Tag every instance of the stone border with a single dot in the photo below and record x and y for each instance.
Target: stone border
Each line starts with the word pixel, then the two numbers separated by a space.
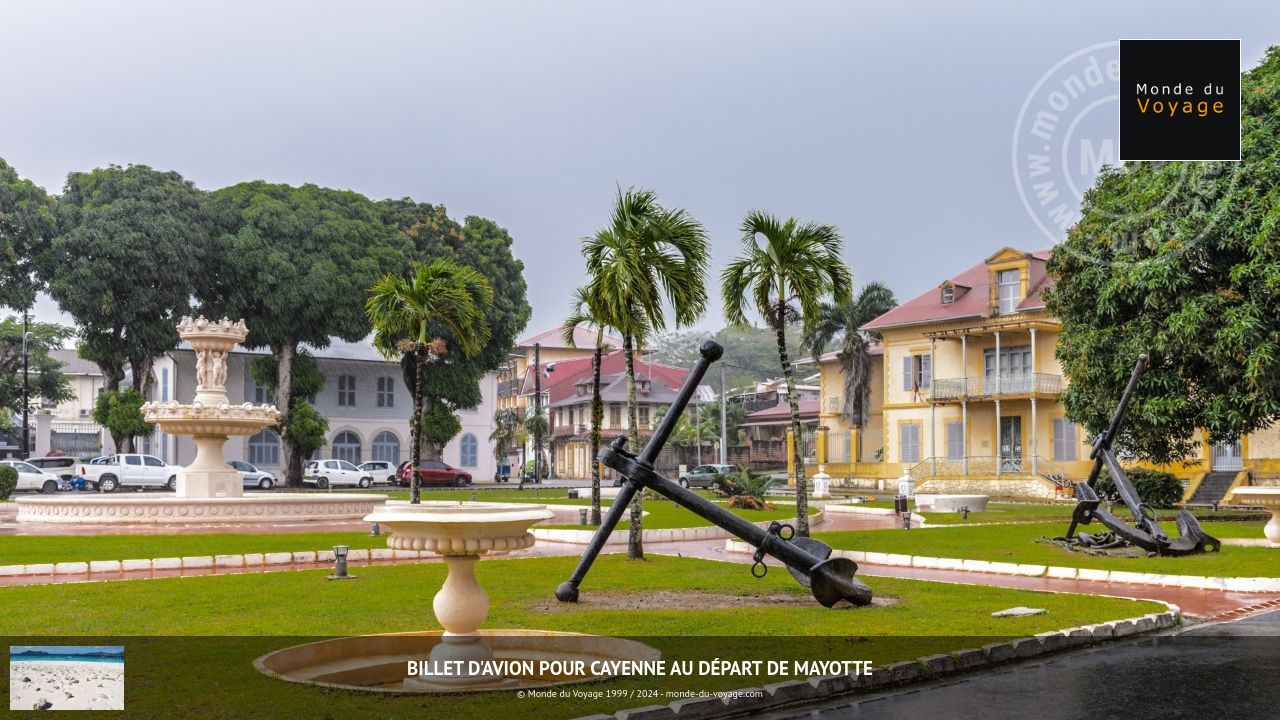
pixel 917 519
pixel 690 534
pixel 1233 584
pixel 780 695
pixel 116 567
pixel 163 509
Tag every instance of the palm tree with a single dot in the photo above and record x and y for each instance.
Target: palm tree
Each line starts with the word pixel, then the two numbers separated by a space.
pixel 504 433
pixel 786 277
pixel 645 258
pixel 586 311
pixel 844 320
pixel 407 313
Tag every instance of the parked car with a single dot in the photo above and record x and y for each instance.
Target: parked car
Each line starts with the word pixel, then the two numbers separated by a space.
pixel 31 477
pixel 131 470
pixel 381 470
pixel 63 466
pixel 703 476
pixel 435 472
pixel 252 476
pixel 326 473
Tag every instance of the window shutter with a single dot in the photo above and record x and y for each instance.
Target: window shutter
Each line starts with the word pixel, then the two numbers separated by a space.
pixel 906 372
pixel 926 371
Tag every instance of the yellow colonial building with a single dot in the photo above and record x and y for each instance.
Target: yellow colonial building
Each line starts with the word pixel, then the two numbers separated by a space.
pixel 965 398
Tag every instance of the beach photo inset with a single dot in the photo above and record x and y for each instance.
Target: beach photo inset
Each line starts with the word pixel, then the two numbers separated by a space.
pixel 66 677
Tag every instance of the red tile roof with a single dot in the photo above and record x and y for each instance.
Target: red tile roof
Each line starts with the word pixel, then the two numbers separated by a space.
pixel 559 383
pixel 584 338
pixel 971 303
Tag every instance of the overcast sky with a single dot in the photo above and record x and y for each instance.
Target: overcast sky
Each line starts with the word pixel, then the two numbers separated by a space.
pixel 892 120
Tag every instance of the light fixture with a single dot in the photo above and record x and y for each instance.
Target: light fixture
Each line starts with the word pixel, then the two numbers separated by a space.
pixel 340 563
pixel 582 513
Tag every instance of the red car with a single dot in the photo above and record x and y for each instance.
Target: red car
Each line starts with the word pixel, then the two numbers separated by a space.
pixel 434 472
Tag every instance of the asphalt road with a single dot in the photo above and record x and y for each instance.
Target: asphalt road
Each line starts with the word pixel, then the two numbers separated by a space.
pixel 1219 672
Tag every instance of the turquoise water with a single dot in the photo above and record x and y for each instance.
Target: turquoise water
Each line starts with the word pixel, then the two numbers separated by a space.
pixel 72 658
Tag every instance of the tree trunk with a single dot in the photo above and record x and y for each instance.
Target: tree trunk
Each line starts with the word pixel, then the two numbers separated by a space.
pixel 597 416
pixel 797 432
pixel 142 373
pixel 284 403
pixel 415 427
pixel 635 538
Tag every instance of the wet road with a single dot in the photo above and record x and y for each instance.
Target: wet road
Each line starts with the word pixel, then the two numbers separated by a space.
pixel 1212 672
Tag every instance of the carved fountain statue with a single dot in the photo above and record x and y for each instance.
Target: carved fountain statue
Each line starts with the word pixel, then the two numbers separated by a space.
pixel 208 490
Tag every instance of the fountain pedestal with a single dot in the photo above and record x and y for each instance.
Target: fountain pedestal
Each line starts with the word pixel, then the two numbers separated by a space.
pixel 1266 497
pixel 460 533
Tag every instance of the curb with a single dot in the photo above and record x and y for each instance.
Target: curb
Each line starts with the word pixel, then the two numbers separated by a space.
pixel 204 562
pixel 756 700
pixel 1232 584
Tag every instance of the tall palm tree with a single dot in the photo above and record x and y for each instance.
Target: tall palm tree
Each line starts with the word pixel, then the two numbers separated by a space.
pixel 786 269
pixel 406 313
pixel 586 311
pixel 646 258
pixel 845 320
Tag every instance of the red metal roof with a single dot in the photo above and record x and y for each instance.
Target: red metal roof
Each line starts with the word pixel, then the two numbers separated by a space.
pixel 583 338
pixel 782 413
pixel 559 383
pixel 971 303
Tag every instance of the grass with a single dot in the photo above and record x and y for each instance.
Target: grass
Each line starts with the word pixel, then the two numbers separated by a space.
pixel 31 549
pixel 1011 512
pixel 213 676
pixel 1018 543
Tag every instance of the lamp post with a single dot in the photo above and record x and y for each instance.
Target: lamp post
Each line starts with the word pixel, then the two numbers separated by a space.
pixel 26 389
pixel 340 563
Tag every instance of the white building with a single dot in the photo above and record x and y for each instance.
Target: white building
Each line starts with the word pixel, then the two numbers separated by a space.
pixel 364 399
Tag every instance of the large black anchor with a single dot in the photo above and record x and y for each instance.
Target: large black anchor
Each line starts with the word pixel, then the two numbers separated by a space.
pixel 1145 532
pixel 830 579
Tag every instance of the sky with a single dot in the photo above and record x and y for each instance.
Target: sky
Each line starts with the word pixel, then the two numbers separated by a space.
pixel 894 121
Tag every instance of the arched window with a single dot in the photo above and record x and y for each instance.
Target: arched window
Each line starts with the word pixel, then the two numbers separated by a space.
pixel 386 446
pixel 346 446
pixel 468 451
pixel 264 448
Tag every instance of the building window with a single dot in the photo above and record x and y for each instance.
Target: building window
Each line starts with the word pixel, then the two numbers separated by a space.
pixel 1064 439
pixel 386 392
pixel 347 390
pixel 386 447
pixel 615 416
pixel 955 441
pixel 917 372
pixel 346 446
pixel 909 443
pixel 948 295
pixel 642 416
pixel 260 396
pixel 264 448
pixel 164 385
pixel 1009 287
pixel 468 453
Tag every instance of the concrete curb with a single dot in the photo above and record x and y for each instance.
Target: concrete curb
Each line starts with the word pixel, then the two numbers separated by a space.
pixel 1233 584
pixel 757 700
pixel 117 567
pixel 690 534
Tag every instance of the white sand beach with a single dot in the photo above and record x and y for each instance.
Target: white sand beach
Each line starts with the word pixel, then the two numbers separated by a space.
pixel 66 685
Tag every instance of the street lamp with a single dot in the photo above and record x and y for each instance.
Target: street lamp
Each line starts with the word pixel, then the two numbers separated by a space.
pixel 340 563
pixel 27 337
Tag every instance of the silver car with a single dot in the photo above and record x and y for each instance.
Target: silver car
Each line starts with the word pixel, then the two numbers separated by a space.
pixel 252 476
pixel 704 475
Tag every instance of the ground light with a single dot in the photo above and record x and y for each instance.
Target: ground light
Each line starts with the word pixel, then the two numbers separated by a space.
pixel 340 563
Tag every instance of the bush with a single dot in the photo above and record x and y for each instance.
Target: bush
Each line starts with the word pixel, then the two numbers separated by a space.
pixel 745 490
pixel 8 481
pixel 1156 488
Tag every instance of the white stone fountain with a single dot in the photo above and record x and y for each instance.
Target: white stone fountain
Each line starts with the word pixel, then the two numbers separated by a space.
pixel 208 491
pixel 460 532
pixel 1266 497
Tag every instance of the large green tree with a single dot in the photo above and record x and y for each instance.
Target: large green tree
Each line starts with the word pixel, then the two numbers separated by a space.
pixel 785 271
pixel 26 224
pixel 44 379
pixel 646 258
pixel 843 321
pixel 307 427
pixel 131 245
pixel 404 311
pixel 1181 261
pixel 485 247
pixel 295 264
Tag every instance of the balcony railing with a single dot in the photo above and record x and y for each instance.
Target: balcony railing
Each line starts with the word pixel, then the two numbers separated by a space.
pixel 986 466
pixel 1006 385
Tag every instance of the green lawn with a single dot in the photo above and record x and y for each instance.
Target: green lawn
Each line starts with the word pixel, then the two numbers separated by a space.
pixel 31 549
pixel 663 514
pixel 212 676
pixel 1009 512
pixel 1018 543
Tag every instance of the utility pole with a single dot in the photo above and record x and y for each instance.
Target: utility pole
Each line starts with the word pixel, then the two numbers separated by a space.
pixel 537 409
pixel 26 390
pixel 724 433
pixel 697 428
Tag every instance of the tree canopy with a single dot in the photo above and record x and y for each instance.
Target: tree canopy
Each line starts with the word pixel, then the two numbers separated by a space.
pixel 26 224
pixel 44 373
pixel 1180 261
pixel 131 245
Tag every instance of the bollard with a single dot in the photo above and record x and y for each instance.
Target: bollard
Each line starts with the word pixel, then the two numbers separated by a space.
pixel 906 520
pixel 583 515
pixel 376 531
pixel 340 563
pixel 964 512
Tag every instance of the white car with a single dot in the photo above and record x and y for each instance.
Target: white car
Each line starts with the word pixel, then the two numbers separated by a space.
pixel 252 476
pixel 381 470
pixel 326 473
pixel 31 477
pixel 130 470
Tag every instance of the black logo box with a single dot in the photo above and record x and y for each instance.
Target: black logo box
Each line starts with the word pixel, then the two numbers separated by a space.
pixel 1160 77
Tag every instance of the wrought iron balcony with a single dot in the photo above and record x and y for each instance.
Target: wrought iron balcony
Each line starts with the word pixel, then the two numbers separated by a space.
pixel 986 466
pixel 1020 385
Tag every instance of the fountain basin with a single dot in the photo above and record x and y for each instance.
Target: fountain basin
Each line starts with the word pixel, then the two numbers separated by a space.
pixel 1266 497
pixel 166 508
pixel 459 528
pixel 378 663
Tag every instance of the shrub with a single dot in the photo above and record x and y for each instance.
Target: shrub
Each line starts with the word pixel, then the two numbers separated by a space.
pixel 744 490
pixel 8 481
pixel 1156 488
